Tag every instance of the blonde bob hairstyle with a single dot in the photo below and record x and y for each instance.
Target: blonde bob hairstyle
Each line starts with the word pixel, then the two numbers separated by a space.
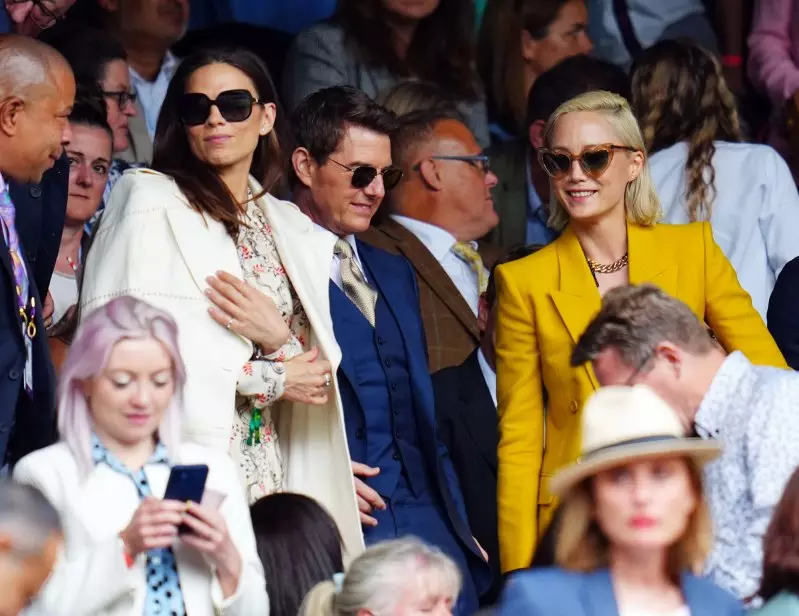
pixel 640 199
pixel 580 545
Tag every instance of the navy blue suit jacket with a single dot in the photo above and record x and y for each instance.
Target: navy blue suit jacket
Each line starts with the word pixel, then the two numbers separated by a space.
pixel 557 592
pixel 395 280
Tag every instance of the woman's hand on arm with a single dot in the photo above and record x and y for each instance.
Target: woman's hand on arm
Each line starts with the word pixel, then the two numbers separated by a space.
pixel 308 378
pixel 246 311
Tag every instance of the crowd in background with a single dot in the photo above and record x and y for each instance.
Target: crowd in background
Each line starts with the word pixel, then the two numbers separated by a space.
pixel 461 306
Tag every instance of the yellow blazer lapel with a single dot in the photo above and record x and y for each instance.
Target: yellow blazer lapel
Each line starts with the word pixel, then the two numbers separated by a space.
pixel 650 259
pixel 577 298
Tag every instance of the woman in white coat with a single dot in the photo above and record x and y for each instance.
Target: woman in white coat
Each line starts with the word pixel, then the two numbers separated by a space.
pixel 200 237
pixel 119 413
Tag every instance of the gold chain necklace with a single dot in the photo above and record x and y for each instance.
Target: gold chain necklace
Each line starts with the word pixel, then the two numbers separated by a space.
pixel 601 268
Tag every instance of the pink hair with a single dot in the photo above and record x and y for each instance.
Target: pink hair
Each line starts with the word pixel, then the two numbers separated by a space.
pixel 123 318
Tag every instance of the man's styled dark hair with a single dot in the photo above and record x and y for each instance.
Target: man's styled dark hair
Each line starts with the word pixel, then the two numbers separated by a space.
pixel 572 77
pixel 299 546
pixel 89 109
pixel 321 120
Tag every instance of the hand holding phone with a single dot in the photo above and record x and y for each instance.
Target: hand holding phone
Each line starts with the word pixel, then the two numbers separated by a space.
pixel 186 484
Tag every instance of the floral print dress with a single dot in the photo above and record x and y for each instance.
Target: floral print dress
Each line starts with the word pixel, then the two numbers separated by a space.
pixel 254 444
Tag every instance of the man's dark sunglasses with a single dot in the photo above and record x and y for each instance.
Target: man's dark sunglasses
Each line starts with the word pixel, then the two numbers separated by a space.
pixel 233 105
pixel 364 175
pixel 122 97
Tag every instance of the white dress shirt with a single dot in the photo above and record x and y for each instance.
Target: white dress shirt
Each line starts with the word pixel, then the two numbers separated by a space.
pixel 440 242
pixel 489 375
pixel 151 94
pixel 335 264
pixel 753 411
pixel 755 215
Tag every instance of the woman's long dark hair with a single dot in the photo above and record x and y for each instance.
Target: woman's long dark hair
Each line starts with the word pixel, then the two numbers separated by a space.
pixel 679 94
pixel 198 180
pixel 299 546
pixel 442 49
pixel 781 545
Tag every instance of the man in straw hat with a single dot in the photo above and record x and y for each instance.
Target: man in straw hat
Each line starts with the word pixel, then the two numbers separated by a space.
pixel 641 335
pixel 634 528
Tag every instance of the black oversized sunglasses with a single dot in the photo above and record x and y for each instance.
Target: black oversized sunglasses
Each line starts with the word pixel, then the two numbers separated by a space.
pixel 594 159
pixel 234 105
pixel 364 175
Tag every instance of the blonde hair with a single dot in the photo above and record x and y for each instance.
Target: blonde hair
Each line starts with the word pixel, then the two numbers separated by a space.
pixel 641 202
pixel 580 545
pixel 377 578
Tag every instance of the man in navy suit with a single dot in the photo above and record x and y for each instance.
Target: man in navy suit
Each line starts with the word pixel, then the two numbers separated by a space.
pixel 404 478
pixel 37 90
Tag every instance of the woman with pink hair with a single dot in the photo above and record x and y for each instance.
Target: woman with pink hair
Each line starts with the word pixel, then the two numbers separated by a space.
pixel 127 550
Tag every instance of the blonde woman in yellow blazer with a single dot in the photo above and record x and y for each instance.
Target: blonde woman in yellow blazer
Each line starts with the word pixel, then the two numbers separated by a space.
pixel 604 201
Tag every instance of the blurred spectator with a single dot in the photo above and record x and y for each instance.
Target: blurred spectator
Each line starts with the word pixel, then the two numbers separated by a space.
pixel 411 95
pixel 289 17
pixel 372 44
pixel 403 576
pixel 783 313
pixel 605 203
pixel 32 17
pixel 621 29
pixel 643 335
pixel 774 68
pixel 690 124
pixel 299 545
pixel 119 414
pixel 635 526
pixel 89 152
pixel 36 93
pixel 519 41
pixel 146 29
pixel 466 415
pixel 778 586
pixel 99 61
pixel 521 196
pixel 434 217
pixel 30 537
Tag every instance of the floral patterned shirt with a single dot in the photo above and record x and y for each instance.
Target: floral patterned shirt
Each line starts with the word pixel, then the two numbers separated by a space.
pixel 262 379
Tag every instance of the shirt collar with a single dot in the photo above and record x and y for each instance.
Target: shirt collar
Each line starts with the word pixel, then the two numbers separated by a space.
pixel 168 66
pixel 101 454
pixel 488 374
pixel 350 239
pixel 437 240
pixel 721 394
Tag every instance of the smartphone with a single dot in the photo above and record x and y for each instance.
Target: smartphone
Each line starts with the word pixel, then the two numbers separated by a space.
pixel 186 483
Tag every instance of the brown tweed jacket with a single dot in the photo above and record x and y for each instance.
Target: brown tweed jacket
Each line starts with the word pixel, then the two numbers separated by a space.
pixel 450 325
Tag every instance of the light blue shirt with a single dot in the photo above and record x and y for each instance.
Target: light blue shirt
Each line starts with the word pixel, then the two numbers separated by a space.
pixel 754 411
pixel 152 93
pixel 537 231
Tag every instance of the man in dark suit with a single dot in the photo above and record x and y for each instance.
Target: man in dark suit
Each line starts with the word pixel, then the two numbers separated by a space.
pixel 434 218
pixel 521 197
pixel 783 313
pixel 404 478
pixel 37 90
pixel 466 414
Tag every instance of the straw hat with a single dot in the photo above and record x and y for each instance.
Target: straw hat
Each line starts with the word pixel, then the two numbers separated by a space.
pixel 621 424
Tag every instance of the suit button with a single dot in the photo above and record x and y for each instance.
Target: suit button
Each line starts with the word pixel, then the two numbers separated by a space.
pixel 387 363
pixel 395 456
pixel 13 374
pixel 393 387
pixel 396 412
pixel 396 433
pixel 574 407
pixel 380 341
pixel 360 433
pixel 35 191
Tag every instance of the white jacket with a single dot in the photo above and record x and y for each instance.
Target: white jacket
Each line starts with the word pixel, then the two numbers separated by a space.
pixel 151 244
pixel 91 576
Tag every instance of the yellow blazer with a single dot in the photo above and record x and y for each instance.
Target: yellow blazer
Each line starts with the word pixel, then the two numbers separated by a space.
pixel 545 302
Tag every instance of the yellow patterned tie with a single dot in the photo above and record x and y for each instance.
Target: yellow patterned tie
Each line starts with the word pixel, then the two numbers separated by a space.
pixel 465 252
pixel 355 286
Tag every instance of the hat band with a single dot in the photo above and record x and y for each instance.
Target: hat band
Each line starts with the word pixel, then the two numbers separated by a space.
pixel 633 441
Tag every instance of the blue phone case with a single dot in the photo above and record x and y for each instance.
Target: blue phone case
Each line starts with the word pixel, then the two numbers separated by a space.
pixel 186 483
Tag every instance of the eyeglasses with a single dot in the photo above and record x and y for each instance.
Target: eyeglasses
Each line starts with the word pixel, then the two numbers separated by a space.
pixel 40 15
pixel 122 97
pixel 478 161
pixel 594 160
pixel 234 105
pixel 364 175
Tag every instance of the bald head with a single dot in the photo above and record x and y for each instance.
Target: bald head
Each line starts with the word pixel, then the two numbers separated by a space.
pixel 37 90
